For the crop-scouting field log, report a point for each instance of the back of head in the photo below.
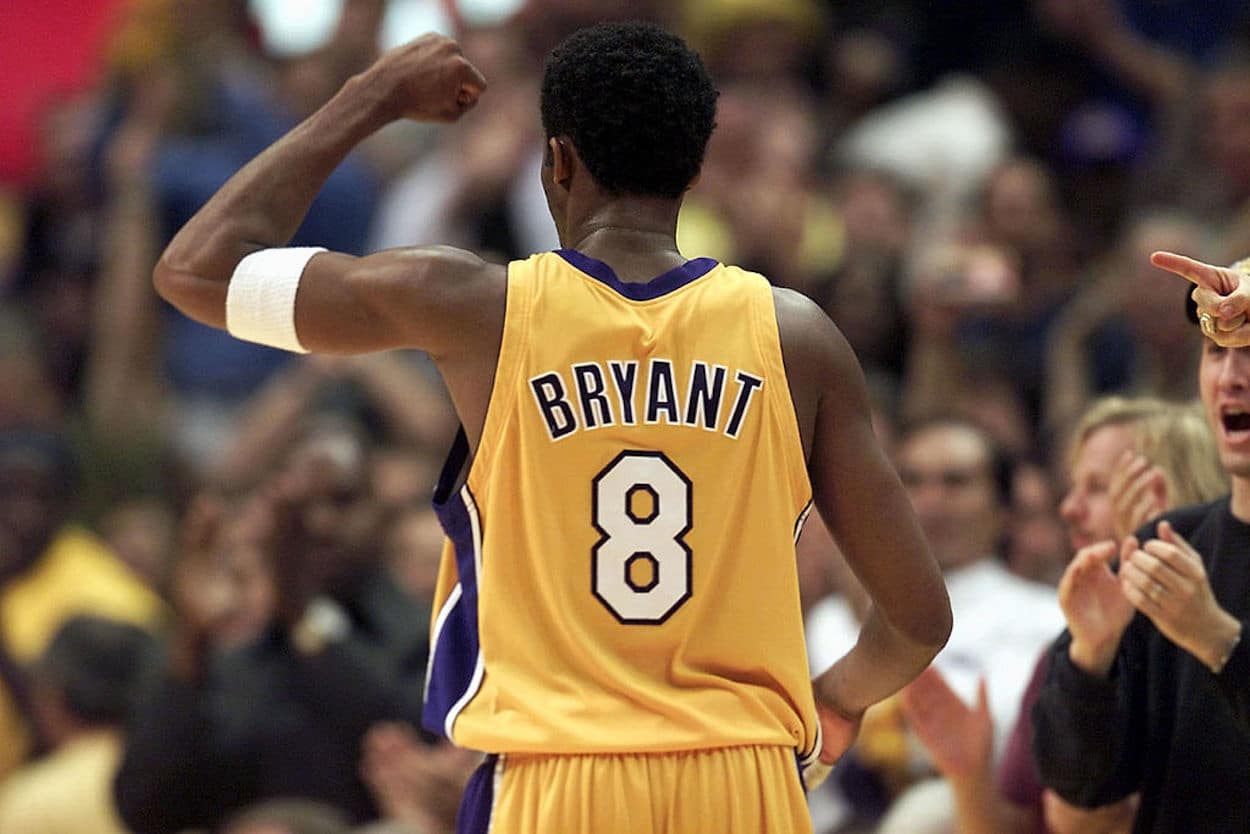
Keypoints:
(37, 476)
(637, 103)
(94, 663)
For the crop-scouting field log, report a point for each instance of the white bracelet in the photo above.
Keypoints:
(260, 299)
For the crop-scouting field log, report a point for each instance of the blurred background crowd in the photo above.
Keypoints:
(216, 559)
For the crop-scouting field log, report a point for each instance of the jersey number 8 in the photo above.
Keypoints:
(640, 567)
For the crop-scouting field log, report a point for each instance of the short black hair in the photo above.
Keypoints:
(96, 664)
(636, 101)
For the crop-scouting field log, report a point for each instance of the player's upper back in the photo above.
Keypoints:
(637, 490)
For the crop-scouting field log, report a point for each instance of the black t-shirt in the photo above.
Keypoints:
(1161, 724)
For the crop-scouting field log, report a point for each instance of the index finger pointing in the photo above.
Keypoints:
(1197, 272)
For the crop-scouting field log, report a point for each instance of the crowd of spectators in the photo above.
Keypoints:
(239, 540)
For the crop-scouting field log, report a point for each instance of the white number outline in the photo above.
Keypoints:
(678, 538)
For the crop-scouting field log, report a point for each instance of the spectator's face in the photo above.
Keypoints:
(414, 547)
(874, 211)
(1036, 542)
(141, 533)
(338, 513)
(340, 517)
(946, 470)
(1019, 205)
(1087, 508)
(28, 396)
(243, 556)
(1224, 384)
(29, 511)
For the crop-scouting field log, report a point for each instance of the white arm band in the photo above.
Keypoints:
(260, 300)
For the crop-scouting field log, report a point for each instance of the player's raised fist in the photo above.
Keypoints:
(427, 79)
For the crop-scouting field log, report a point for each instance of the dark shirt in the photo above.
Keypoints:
(1017, 772)
(270, 722)
(1161, 723)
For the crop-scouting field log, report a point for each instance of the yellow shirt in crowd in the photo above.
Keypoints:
(69, 792)
(77, 575)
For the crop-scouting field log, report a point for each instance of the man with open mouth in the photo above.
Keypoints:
(1149, 689)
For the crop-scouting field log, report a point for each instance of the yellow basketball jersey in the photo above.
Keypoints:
(620, 574)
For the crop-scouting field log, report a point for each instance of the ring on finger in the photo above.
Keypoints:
(1207, 323)
(1156, 591)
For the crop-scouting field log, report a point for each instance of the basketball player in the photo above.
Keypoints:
(618, 621)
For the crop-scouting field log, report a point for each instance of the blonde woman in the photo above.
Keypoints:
(1130, 459)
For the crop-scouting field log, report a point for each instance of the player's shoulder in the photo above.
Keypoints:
(432, 297)
(437, 277)
(797, 311)
(809, 338)
(439, 263)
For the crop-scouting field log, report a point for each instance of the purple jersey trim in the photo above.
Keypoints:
(478, 801)
(454, 649)
(674, 279)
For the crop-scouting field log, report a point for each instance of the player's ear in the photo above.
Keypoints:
(562, 156)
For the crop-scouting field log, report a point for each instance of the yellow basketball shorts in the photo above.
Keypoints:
(728, 790)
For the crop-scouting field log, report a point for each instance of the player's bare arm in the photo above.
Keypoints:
(861, 499)
(432, 298)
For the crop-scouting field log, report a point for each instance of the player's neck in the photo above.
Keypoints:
(637, 237)
(608, 237)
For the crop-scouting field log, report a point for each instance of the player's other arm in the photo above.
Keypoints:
(862, 501)
(343, 304)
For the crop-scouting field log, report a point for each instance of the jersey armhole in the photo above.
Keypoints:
(516, 326)
(768, 342)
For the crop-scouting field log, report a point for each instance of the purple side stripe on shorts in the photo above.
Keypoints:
(479, 799)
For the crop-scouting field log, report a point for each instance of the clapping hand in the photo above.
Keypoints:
(413, 782)
(1094, 605)
(959, 738)
(1139, 492)
(1166, 580)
